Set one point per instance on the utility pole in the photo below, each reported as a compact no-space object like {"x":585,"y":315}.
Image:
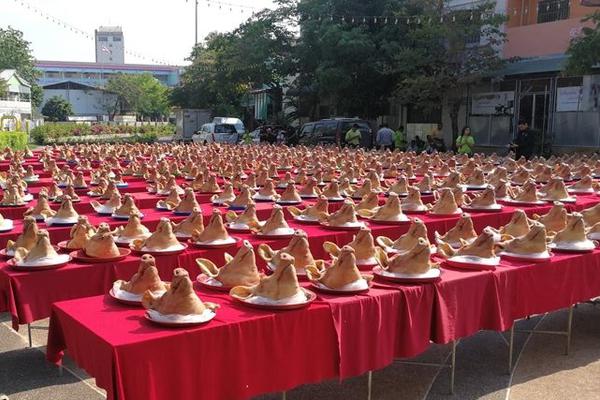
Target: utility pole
{"x":196,"y":21}
{"x":196,"y":25}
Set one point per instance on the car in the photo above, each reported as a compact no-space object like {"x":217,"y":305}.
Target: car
{"x":221,"y":130}
{"x":331,"y":131}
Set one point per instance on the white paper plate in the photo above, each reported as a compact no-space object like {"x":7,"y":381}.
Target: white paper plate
{"x":304,"y":218}
{"x":493,"y":207}
{"x":175,"y":319}
{"x":565,"y":200}
{"x":533,"y":257}
{"x":6,"y":225}
{"x":473,"y":262}
{"x":60,"y":259}
{"x":61,"y":221}
{"x":584,"y":246}
{"x":433,"y":273}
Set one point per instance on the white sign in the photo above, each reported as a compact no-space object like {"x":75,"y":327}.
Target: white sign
{"x":569,"y":99}
{"x":494,"y":103}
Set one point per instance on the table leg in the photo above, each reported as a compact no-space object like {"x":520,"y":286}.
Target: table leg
{"x":283,"y":395}
{"x":452,"y":366}
{"x":369,"y":385}
{"x":29,"y":334}
{"x":569,"y":330}
{"x":511,"y":344}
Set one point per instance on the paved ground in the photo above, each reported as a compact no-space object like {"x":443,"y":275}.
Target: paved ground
{"x":542,"y":371}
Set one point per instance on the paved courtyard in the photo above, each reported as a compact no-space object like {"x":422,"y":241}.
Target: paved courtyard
{"x":542,"y":370}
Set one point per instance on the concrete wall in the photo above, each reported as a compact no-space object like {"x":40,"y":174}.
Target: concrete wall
{"x":83,"y":102}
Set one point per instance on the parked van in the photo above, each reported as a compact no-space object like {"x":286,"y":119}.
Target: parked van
{"x":221,"y":130}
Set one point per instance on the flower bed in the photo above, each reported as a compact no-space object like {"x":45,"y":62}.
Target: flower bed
{"x":50,"y":133}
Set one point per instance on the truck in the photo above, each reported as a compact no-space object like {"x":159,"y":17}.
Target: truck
{"x":188,"y":121}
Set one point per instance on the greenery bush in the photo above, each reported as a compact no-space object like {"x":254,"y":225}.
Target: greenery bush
{"x":14,"y":140}
{"x":83,"y":133}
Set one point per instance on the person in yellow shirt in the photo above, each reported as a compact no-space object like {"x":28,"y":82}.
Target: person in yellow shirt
{"x":353,"y":136}
{"x":465,"y":142}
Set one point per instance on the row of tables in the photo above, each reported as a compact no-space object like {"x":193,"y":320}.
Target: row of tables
{"x":245,"y":352}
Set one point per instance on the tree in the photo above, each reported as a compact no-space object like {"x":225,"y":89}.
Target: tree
{"x":3,"y":87}
{"x":344,"y":62}
{"x":15,"y":53}
{"x":57,"y":108}
{"x":584,"y":50}
{"x":138,"y":93}
{"x":446,"y":51}
{"x":226,"y":66}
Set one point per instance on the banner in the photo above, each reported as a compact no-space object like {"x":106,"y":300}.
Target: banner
{"x":494,"y":103}
{"x":569,"y":99}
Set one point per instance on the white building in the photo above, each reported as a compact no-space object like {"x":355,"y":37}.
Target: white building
{"x":110,"y":45}
{"x":16,"y":101}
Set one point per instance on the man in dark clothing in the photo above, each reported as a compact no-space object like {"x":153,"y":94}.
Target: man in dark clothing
{"x":524,"y":144}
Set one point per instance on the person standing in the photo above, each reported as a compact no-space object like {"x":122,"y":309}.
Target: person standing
{"x":400,"y":139}
{"x":385,"y":137}
{"x":524,"y":143}
{"x":353,"y":136}
{"x":465,"y":142}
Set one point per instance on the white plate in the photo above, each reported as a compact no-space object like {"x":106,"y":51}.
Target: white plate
{"x":124,"y":217}
{"x":358,"y":285}
{"x":28,"y":197}
{"x":304,"y":218}
{"x":220,"y":202}
{"x":413,"y":208}
{"x":587,"y":245}
{"x":263,"y":198}
{"x":288,"y":202}
{"x":534,"y":256}
{"x":6,"y":225}
{"x":525,"y":203}
{"x":104,"y":209}
{"x":277,"y":232}
{"x":128,"y":240}
{"x":470,"y":261}
{"x":593,"y":236}
{"x":60,"y":259}
{"x":53,"y":220}
{"x":580,"y":191}
{"x":175,"y":319}
{"x":309,"y":196}
{"x":433,"y":273}
{"x":565,"y":200}
{"x":457,"y":212}
{"x":473,"y":187}
{"x":299,"y":271}
{"x":298,"y":299}
{"x":493,"y":207}
{"x":218,"y":242}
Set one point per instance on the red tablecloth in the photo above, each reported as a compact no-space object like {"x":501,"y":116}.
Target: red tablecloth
{"x":28,"y":297}
{"x":260,"y":351}
{"x":469,"y":301}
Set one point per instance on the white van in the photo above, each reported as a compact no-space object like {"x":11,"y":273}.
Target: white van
{"x":221,"y":130}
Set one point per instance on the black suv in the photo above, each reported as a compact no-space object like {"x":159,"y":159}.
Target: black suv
{"x":331,"y":131}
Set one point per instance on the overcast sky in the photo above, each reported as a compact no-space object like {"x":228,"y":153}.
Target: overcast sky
{"x":159,"y":29}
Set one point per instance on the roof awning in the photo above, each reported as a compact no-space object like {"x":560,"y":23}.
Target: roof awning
{"x":536,"y":65}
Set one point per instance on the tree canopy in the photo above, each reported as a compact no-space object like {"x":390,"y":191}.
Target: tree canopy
{"x":57,"y":108}
{"x":584,"y":50}
{"x":15,"y":53}
{"x":419,"y":51}
{"x":141,"y":94}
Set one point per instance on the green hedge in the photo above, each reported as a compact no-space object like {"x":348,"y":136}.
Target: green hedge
{"x":14,"y":140}
{"x":69,"y":132}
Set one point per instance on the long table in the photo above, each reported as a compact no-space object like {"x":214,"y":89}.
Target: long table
{"x":115,"y":344}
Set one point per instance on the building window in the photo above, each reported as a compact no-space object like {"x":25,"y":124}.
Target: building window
{"x":116,"y":38}
{"x":52,"y":74}
{"x":72,"y":75}
{"x":552,"y":10}
{"x":102,"y":39}
{"x":90,"y":75}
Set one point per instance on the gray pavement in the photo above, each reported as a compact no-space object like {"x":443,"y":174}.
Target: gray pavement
{"x":542,"y":370}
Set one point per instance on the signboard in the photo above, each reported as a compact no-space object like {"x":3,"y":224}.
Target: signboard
{"x":569,"y":99}
{"x":493,"y":103}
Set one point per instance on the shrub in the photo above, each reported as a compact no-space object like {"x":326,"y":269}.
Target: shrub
{"x":14,"y":140}
{"x":67,"y":132}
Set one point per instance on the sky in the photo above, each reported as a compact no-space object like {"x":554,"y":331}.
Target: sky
{"x":160,"y":30}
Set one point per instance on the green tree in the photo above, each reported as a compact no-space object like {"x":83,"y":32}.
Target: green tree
{"x":15,"y":53}
{"x":444,"y":52}
{"x":584,"y":50}
{"x":57,"y":108}
{"x":346,"y":62}
{"x":226,"y":66}
{"x":141,"y":94}
{"x":3,"y":87}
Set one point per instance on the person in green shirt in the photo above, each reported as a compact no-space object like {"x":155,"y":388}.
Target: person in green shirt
{"x":465,"y":142}
{"x":353,"y":136}
{"x":400,"y":139}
